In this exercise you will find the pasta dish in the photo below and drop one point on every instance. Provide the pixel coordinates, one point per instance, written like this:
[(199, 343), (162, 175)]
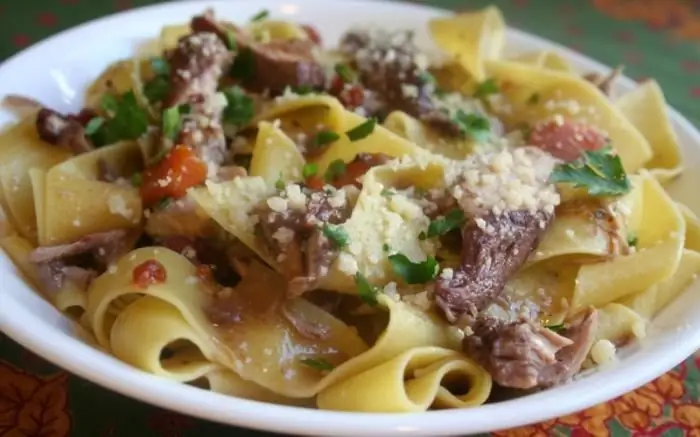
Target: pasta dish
[(375, 226)]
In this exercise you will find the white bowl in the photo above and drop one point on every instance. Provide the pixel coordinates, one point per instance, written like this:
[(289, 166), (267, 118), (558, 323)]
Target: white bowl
[(57, 71)]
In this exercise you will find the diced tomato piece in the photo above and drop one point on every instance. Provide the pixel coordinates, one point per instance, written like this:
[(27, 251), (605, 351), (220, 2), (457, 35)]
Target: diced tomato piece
[(353, 97), (205, 273), (566, 140), (148, 273), (314, 183), (337, 85), (172, 176), (312, 33)]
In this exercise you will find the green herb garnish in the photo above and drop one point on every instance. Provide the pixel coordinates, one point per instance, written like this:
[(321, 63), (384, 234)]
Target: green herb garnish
[(336, 169), (94, 125), (388, 192), (486, 88), (126, 120), (160, 66), (231, 43), (279, 183), (345, 73), (243, 67), (441, 226), (323, 138), (303, 90), (599, 171), (170, 124), (337, 234), (318, 364), (260, 15), (366, 291), (164, 202), (632, 239), (136, 179), (156, 89), (362, 131), (240, 108), (309, 170), (473, 125), (426, 78), (414, 273), (533, 99), (386, 247), (556, 328)]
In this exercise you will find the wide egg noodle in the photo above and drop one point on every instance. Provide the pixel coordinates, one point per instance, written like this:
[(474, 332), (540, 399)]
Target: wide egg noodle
[(275, 30), (78, 204), (471, 38), (570, 97), (546, 59), (22, 150), (660, 242), (692, 227), (275, 156), (412, 381), (645, 107)]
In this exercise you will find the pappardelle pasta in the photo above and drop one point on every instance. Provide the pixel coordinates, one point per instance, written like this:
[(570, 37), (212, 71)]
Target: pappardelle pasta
[(371, 227)]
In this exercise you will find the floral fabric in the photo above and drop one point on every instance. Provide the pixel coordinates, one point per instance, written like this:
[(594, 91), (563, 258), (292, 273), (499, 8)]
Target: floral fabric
[(653, 38)]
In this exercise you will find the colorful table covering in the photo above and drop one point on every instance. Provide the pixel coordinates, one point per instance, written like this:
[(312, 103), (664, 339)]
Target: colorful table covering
[(653, 38)]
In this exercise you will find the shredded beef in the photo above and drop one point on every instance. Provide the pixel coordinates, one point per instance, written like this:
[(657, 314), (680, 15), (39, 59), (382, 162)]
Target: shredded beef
[(494, 247), (63, 131), (525, 355), (179, 218)]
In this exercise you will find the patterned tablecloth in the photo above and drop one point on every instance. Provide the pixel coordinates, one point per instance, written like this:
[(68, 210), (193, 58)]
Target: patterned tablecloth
[(653, 38)]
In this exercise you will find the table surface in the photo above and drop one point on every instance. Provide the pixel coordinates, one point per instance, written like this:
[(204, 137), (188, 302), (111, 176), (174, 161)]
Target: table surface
[(653, 38)]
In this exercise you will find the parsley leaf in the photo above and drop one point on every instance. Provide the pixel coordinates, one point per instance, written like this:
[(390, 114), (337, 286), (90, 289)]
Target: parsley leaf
[(156, 89), (533, 99), (414, 273), (309, 170), (337, 234), (441, 226), (632, 239), (345, 73), (303, 90), (474, 125), (335, 169), (126, 120), (94, 125), (426, 78), (361, 131), (486, 88), (243, 67), (366, 291), (323, 138), (388, 192), (260, 15), (164, 203), (240, 108), (171, 122), (231, 43), (137, 179), (599, 171), (160, 66), (386, 247), (556, 328), (318, 364), (279, 183)]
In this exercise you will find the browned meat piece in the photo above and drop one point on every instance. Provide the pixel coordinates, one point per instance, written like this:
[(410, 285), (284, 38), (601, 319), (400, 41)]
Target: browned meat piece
[(63, 131), (206, 252), (494, 247), (53, 275), (307, 328), (525, 355), (102, 244), (295, 237), (389, 69), (106, 171), (197, 64), (604, 82), (179, 218), (207, 23), (437, 202)]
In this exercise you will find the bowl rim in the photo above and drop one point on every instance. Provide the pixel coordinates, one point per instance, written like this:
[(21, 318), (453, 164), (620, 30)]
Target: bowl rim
[(63, 350)]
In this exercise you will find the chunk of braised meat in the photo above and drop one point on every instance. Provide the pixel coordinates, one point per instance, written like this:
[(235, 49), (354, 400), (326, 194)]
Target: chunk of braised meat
[(179, 218), (604, 82), (63, 131), (204, 252), (295, 236), (81, 260), (494, 247), (524, 354), (389, 69), (197, 64), (276, 65)]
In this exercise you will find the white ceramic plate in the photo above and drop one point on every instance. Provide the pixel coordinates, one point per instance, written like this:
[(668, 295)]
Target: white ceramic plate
[(59, 80)]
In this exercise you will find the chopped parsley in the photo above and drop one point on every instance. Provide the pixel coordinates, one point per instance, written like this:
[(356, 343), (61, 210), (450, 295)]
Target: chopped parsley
[(388, 192), (318, 364), (336, 234), (231, 43), (386, 247), (303, 90), (336, 169), (279, 183), (414, 273), (309, 170), (441, 226), (323, 138), (164, 203), (476, 126), (240, 108), (533, 99), (345, 73), (125, 120), (426, 78), (486, 88), (243, 67), (362, 131), (170, 124), (632, 239), (556, 328), (366, 291), (94, 125), (599, 171), (160, 66), (137, 179), (156, 89), (260, 15)]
